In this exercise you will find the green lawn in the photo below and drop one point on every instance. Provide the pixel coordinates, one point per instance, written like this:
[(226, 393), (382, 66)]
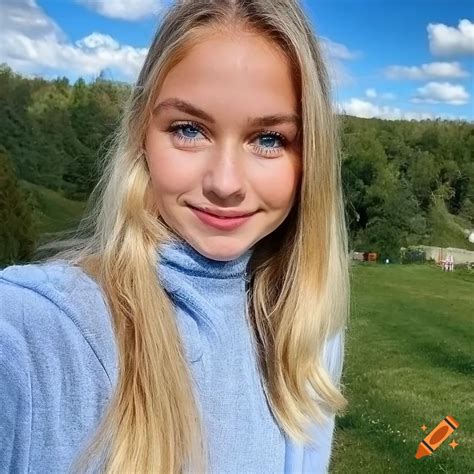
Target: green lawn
[(409, 362)]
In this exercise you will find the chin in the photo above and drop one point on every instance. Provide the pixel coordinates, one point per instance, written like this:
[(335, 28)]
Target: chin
[(221, 256), (215, 251)]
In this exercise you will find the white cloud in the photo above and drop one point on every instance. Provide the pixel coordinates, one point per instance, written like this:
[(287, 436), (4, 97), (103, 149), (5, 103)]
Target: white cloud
[(338, 73), (442, 92), (98, 40), (446, 40), (123, 9), (436, 70), (24, 16), (338, 50), (366, 109), (334, 55), (371, 93), (31, 42)]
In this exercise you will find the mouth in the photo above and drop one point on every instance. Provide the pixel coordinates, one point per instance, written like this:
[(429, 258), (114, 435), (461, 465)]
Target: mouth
[(222, 223), (222, 214)]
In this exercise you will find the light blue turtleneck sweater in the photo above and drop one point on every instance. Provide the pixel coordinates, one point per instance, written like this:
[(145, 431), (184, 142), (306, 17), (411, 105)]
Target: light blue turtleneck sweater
[(58, 366)]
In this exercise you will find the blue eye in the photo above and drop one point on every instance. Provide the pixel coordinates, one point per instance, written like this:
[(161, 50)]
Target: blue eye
[(180, 131), (272, 136), (186, 126), (266, 137)]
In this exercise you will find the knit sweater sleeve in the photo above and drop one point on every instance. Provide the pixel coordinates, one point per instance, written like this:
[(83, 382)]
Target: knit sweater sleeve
[(317, 456), (53, 385), (15, 399)]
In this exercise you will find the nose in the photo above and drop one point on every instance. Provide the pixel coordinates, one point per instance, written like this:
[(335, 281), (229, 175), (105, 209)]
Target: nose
[(225, 179)]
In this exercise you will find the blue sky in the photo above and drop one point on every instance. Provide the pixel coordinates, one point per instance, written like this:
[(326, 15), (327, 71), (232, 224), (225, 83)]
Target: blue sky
[(390, 59)]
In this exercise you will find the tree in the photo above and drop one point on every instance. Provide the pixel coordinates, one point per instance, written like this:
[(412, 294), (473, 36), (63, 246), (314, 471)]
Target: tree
[(18, 230), (423, 173), (396, 223)]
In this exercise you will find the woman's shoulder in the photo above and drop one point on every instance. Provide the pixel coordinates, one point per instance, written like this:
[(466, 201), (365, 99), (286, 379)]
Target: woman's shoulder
[(57, 285), (57, 363), (43, 277), (51, 303)]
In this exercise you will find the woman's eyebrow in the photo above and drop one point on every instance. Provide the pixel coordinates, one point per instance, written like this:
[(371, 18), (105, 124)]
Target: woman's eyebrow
[(187, 107)]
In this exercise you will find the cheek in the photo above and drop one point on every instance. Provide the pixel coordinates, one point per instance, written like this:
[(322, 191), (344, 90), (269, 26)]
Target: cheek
[(166, 176), (169, 173), (278, 188)]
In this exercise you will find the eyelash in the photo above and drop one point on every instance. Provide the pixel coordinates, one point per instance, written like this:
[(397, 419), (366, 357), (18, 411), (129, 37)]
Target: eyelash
[(174, 127)]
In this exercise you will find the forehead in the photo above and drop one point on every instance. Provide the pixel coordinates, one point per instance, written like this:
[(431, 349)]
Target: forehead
[(243, 74)]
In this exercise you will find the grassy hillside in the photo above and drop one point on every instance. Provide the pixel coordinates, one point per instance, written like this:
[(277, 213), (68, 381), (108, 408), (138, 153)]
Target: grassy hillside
[(54, 212), (448, 230), (409, 362)]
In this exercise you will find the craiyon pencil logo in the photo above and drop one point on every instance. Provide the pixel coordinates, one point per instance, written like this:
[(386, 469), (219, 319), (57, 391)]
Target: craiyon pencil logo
[(437, 437)]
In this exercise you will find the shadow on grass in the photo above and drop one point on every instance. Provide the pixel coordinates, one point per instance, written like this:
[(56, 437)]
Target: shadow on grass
[(443, 356)]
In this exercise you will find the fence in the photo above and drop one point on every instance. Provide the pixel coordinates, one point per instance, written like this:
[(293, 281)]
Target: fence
[(439, 253), (420, 253)]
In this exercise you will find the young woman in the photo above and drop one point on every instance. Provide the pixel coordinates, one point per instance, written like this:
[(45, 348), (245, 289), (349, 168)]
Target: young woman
[(198, 326)]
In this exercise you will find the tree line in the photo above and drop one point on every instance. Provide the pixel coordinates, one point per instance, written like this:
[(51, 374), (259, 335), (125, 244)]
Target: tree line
[(398, 176)]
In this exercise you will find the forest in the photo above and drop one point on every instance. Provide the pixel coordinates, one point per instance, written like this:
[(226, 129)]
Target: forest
[(405, 182)]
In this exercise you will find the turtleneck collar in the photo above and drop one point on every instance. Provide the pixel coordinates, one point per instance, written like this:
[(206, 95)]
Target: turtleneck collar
[(211, 293), (183, 258)]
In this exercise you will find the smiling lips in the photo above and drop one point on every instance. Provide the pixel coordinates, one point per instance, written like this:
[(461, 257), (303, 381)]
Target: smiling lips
[(223, 213), (222, 222)]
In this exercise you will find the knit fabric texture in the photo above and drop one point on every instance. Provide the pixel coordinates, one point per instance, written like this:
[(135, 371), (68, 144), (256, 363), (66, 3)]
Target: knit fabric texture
[(58, 366)]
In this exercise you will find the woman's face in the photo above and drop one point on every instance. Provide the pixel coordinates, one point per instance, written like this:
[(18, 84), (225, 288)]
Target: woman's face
[(208, 145)]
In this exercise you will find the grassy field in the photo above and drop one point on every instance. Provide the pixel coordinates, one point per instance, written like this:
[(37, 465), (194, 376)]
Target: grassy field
[(409, 362)]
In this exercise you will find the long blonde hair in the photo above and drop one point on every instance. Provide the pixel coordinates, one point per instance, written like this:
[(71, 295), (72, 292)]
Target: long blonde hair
[(299, 275)]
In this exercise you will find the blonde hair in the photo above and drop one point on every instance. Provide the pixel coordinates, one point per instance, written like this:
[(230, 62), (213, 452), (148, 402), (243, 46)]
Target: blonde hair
[(299, 275)]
